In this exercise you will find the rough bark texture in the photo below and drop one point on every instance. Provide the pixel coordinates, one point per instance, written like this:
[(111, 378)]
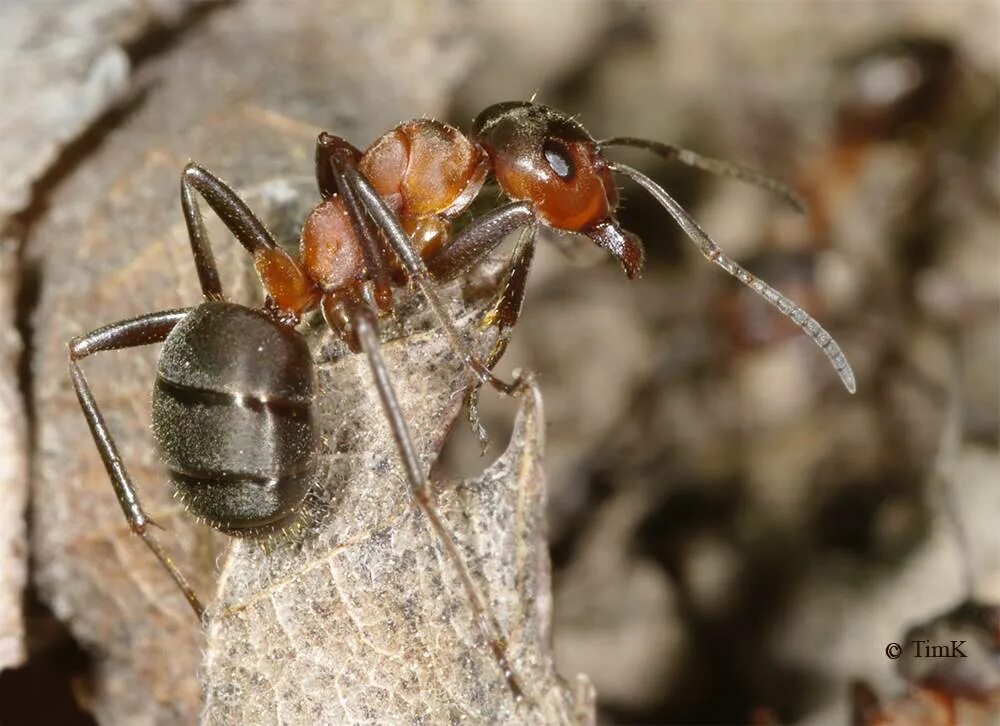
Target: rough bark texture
[(13, 473), (61, 66), (113, 245)]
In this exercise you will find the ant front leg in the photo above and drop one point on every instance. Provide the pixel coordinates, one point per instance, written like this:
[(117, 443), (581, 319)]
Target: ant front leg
[(358, 194), (143, 330), (503, 314), (470, 246), (478, 238), (363, 321)]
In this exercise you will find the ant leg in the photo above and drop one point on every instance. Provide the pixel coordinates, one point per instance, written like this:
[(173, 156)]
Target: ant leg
[(713, 166), (327, 145), (372, 249), (143, 330), (363, 325), (503, 314), (233, 211), (480, 237), (470, 246), (286, 284), (357, 192)]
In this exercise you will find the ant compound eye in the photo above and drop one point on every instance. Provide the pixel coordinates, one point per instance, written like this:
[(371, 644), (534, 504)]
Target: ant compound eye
[(559, 160)]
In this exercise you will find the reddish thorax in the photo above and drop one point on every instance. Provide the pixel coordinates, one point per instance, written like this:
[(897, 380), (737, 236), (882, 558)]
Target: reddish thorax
[(427, 173)]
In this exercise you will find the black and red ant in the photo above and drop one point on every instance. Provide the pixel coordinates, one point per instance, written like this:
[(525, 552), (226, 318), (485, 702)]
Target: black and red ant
[(233, 414)]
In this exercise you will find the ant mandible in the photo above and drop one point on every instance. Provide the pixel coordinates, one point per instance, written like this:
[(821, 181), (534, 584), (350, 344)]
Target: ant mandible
[(236, 429)]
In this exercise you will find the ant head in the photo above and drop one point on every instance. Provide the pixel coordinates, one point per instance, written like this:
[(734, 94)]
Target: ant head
[(543, 156)]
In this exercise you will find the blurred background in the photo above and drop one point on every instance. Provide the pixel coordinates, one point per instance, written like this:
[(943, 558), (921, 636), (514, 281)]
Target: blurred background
[(734, 536), (731, 530)]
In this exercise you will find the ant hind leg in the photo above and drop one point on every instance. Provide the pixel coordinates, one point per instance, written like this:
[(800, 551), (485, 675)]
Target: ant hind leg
[(233, 211), (289, 291), (363, 324), (132, 333)]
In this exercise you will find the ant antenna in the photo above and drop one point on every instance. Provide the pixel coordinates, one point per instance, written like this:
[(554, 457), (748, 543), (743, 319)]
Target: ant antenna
[(713, 166), (714, 253)]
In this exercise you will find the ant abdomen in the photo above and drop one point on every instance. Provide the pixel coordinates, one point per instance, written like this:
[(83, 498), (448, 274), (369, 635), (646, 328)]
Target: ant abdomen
[(233, 418)]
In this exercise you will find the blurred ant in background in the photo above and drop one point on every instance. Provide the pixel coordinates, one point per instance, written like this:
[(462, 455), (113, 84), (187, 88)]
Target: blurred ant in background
[(916, 92), (959, 686), (233, 402), (923, 99)]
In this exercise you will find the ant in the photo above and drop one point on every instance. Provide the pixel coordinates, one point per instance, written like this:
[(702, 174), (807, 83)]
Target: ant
[(232, 407)]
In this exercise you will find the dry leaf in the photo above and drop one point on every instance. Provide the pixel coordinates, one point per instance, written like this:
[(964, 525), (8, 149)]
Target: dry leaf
[(365, 619)]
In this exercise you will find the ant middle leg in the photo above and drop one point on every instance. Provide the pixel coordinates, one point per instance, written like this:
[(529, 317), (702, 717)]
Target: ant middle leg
[(288, 289), (363, 325), (143, 330)]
